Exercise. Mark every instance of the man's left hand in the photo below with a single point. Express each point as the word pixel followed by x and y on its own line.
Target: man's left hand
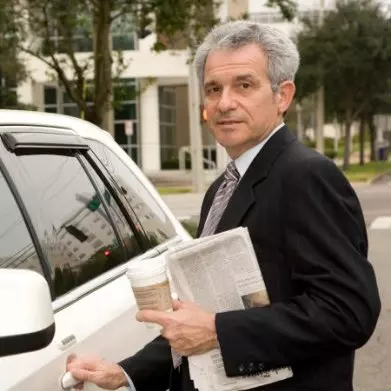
pixel 190 330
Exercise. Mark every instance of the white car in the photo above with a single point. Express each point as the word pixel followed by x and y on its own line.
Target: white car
pixel 76 209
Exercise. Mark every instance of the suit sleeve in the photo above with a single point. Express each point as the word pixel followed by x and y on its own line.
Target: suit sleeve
pixel 150 368
pixel 336 302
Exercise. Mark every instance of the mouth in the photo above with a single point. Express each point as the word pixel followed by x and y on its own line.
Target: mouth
pixel 228 122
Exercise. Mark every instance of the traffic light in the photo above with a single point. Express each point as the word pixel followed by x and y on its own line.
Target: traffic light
pixel 94 204
pixel 77 233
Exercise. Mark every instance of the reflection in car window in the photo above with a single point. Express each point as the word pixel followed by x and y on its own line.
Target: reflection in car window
pixel 17 250
pixel 131 244
pixel 152 218
pixel 72 213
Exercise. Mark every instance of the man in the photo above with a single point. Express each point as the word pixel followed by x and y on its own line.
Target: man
pixel 305 223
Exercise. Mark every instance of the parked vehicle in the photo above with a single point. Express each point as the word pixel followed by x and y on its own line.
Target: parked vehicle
pixel 76 209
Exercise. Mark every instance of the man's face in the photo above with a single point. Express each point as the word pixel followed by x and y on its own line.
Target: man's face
pixel 240 105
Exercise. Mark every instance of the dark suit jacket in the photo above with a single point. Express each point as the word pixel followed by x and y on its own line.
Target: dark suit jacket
pixel 309 234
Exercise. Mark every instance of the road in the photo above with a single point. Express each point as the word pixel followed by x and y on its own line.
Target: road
pixel 375 200
pixel 373 362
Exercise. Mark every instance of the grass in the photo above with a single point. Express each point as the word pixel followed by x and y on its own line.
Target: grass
pixel 367 172
pixel 165 190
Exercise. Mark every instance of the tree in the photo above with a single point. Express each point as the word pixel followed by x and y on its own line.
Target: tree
pixel 287 7
pixel 351 54
pixel 12 70
pixel 54 31
pixel 62 29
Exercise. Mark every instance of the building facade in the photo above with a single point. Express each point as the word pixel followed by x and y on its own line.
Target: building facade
pixel 153 126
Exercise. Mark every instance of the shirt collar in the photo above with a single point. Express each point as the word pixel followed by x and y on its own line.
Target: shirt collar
pixel 243 162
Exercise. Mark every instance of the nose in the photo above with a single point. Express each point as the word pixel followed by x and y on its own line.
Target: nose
pixel 227 101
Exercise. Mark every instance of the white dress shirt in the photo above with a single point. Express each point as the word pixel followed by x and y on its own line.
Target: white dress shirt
pixel 243 162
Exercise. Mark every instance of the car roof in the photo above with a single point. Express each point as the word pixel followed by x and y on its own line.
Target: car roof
pixel 47 120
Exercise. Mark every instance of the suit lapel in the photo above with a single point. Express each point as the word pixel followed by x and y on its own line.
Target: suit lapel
pixel 243 197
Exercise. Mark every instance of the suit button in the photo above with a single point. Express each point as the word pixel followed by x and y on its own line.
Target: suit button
pixel 260 366
pixel 241 368
pixel 251 366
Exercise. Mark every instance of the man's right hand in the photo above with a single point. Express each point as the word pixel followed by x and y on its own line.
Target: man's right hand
pixel 94 369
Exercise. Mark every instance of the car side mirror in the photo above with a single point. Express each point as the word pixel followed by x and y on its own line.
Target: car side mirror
pixel 27 320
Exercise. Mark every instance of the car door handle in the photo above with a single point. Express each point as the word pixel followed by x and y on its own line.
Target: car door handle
pixel 67 342
pixel 68 381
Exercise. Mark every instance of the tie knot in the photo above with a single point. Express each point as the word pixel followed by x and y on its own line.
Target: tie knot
pixel 231 173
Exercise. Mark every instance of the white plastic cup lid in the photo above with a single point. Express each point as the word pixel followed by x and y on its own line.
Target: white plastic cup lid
pixel 146 268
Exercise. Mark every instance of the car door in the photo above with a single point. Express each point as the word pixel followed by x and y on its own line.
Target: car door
pixel 83 238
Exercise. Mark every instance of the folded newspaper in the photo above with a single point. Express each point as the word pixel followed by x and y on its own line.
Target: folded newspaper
pixel 220 273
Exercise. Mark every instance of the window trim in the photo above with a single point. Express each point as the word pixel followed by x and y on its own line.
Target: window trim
pixel 174 226
pixel 114 191
pixel 16 141
pixel 104 203
pixel 29 225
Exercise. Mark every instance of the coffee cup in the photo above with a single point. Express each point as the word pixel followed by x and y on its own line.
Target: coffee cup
pixel 149 281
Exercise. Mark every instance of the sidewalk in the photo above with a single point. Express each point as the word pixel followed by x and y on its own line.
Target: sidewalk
pixel 185 206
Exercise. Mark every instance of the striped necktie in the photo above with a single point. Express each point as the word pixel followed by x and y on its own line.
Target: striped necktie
pixel 222 197
pixel 220 202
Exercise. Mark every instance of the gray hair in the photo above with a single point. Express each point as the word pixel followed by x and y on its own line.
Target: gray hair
pixel 282 55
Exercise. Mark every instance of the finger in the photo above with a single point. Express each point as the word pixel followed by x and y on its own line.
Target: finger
pixel 69 360
pixel 176 305
pixel 87 362
pixel 79 386
pixel 152 316
pixel 83 375
pixel 82 363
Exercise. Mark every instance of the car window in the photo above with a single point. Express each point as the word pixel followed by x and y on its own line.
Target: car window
pixel 17 250
pixel 154 221
pixel 71 219
pixel 131 239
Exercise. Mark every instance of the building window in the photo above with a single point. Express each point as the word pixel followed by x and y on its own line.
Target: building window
pixel 123 33
pixel 123 36
pixel 126 115
pixel 126 103
pixel 167 117
pixel 56 100
pixel 8 87
pixel 267 17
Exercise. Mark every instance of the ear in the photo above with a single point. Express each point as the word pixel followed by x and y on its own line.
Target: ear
pixel 285 96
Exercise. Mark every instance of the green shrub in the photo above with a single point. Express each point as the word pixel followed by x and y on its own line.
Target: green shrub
pixel 191 227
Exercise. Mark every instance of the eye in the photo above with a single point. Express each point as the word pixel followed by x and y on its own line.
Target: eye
pixel 245 85
pixel 212 90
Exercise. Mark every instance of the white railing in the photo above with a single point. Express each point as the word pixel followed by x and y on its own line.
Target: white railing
pixel 186 150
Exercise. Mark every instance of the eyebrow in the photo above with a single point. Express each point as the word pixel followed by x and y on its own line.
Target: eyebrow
pixel 210 83
pixel 246 76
